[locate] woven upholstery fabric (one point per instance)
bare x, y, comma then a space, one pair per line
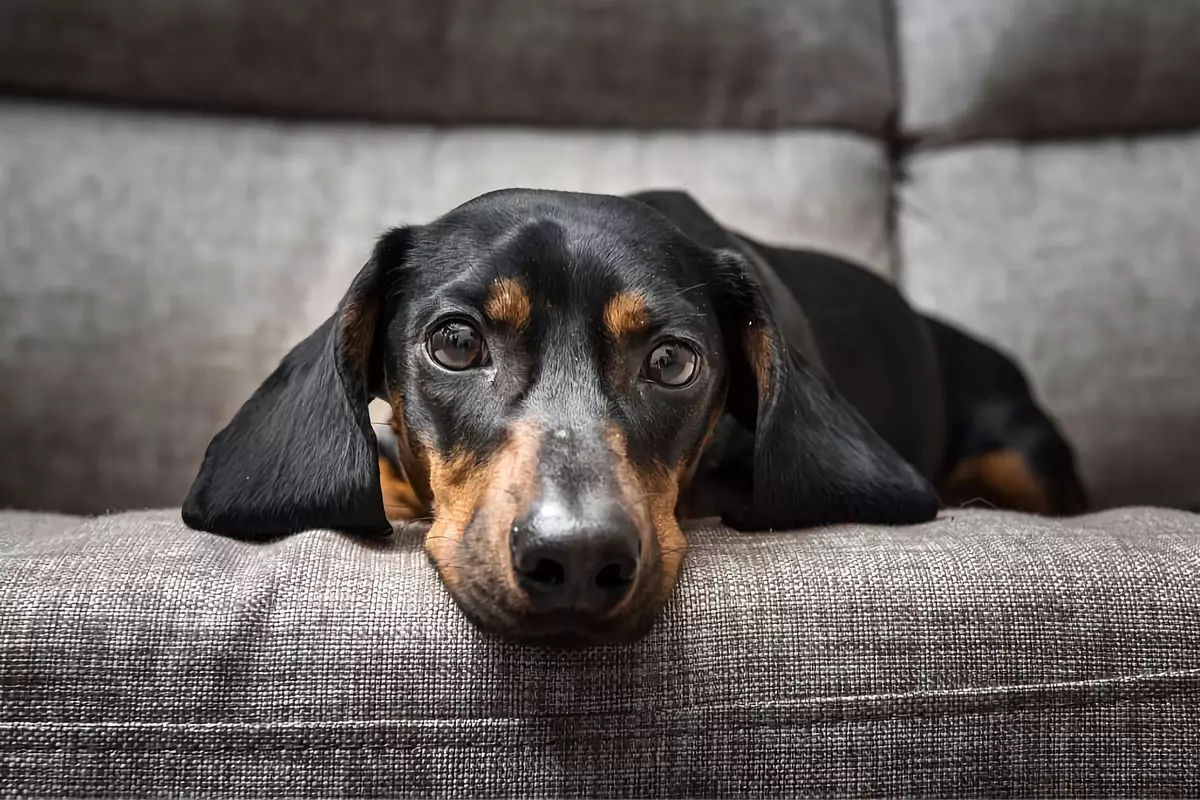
1083, 260
981, 654
752, 63
974, 68
154, 269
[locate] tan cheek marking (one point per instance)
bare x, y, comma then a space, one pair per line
626, 314
510, 490
633, 492
456, 483
508, 303
758, 346
1001, 477
664, 486
413, 457
683, 509
650, 498
400, 502
491, 493
356, 332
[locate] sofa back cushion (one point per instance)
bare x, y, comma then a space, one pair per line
989, 68
155, 269
752, 63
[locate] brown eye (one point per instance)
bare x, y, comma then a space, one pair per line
457, 345
671, 364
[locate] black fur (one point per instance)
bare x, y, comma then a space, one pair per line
990, 407
858, 419
301, 452
816, 460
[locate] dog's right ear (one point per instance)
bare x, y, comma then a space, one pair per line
301, 452
816, 460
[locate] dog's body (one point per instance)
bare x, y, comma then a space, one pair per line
958, 410
570, 374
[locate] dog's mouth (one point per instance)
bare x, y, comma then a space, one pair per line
557, 630
490, 595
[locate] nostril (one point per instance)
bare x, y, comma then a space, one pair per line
546, 572
581, 563
615, 575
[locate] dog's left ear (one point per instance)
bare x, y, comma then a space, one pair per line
816, 460
301, 452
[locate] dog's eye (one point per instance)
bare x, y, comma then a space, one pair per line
457, 345
672, 364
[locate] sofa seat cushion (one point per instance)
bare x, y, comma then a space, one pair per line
983, 653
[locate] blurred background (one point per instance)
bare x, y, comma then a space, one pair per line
187, 187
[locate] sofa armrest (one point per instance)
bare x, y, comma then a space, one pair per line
982, 653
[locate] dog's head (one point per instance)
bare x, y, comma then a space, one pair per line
556, 364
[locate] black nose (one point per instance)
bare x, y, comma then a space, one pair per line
569, 562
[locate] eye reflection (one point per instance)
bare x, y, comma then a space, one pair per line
672, 364
456, 345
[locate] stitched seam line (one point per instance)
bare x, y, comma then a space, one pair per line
457, 741
1134, 690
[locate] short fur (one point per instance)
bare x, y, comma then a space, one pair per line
821, 397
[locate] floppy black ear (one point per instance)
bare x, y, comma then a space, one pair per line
816, 460
301, 452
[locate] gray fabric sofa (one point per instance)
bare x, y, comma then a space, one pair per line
186, 188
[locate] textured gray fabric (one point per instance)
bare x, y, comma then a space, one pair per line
1035, 67
1084, 261
620, 62
981, 654
154, 269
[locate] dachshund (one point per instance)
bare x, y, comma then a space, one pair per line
570, 375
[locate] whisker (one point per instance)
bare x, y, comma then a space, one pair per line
687, 289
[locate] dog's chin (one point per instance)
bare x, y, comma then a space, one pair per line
563, 632
493, 614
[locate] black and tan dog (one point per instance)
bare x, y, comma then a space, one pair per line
571, 374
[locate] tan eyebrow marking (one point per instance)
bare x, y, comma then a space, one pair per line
508, 302
626, 314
